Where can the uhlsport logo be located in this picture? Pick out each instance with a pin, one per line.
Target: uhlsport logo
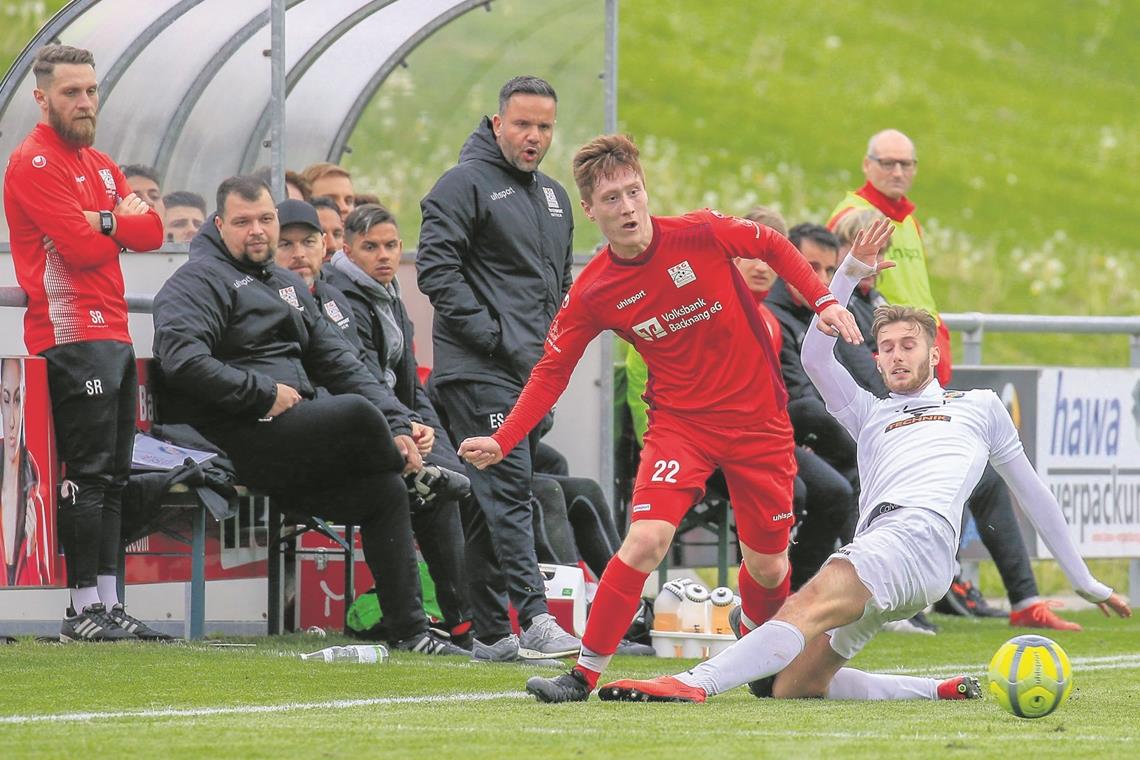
(499, 195)
(631, 300)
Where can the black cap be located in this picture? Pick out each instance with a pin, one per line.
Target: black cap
(293, 211)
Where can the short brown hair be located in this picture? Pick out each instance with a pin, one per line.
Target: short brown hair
(601, 158)
(49, 56)
(313, 172)
(769, 217)
(891, 313)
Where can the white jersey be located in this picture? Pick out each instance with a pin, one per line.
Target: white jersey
(928, 449)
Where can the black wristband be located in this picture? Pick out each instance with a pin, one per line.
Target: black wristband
(106, 222)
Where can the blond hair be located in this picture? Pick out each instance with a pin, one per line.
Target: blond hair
(891, 313)
(769, 217)
(313, 172)
(849, 224)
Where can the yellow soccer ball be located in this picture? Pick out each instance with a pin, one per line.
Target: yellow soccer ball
(1030, 676)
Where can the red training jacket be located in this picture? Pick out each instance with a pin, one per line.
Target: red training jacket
(75, 294)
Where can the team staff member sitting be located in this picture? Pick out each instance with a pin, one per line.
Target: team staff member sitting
(242, 348)
(365, 273)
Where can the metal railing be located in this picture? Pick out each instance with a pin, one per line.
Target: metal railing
(974, 325)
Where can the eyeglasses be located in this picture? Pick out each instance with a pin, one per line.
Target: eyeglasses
(890, 164)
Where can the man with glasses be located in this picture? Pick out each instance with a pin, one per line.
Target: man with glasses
(889, 166)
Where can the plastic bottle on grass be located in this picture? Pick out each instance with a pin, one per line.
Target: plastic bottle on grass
(722, 600)
(695, 609)
(666, 607)
(364, 653)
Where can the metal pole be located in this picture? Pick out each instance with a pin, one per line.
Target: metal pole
(610, 75)
(277, 97)
(606, 378)
(1134, 349)
(972, 345)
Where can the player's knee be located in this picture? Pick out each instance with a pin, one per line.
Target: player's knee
(769, 570)
(646, 544)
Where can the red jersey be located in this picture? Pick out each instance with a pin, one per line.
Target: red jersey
(75, 294)
(686, 309)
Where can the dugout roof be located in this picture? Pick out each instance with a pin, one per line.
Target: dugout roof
(173, 71)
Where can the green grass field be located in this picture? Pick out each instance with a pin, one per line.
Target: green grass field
(1030, 156)
(192, 701)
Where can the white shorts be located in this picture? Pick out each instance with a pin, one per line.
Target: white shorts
(905, 559)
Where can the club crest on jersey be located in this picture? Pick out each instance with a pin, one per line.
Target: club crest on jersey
(554, 333)
(108, 181)
(552, 202)
(334, 313)
(650, 330)
(682, 274)
(39, 162)
(289, 296)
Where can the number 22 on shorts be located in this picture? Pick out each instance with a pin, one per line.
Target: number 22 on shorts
(665, 471)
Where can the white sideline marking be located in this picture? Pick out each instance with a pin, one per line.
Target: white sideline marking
(1107, 662)
(1104, 662)
(195, 712)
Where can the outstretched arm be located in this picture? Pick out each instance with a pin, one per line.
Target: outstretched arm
(832, 380)
(1041, 507)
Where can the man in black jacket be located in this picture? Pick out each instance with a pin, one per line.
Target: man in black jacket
(364, 276)
(243, 349)
(495, 258)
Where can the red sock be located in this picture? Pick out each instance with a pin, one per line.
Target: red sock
(759, 603)
(615, 604)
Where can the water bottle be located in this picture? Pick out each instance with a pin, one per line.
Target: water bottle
(666, 607)
(366, 653)
(722, 600)
(695, 609)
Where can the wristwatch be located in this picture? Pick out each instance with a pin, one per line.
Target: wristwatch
(106, 222)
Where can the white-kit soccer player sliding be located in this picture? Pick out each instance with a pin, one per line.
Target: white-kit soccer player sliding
(921, 452)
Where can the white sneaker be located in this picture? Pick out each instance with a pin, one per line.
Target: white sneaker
(545, 638)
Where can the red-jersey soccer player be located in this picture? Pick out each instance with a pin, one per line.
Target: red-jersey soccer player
(668, 285)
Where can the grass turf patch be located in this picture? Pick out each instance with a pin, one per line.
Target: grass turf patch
(193, 700)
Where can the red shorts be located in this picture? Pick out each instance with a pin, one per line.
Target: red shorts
(759, 466)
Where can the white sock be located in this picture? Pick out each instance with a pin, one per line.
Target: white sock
(761, 653)
(850, 683)
(84, 597)
(593, 661)
(108, 590)
(1026, 602)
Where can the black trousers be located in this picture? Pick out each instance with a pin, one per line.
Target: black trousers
(439, 533)
(94, 396)
(830, 514)
(992, 508)
(498, 520)
(334, 457)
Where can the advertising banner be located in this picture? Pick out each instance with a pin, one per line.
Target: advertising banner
(1017, 389)
(1088, 452)
(28, 477)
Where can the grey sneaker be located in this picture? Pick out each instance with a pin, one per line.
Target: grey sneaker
(545, 638)
(505, 649)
